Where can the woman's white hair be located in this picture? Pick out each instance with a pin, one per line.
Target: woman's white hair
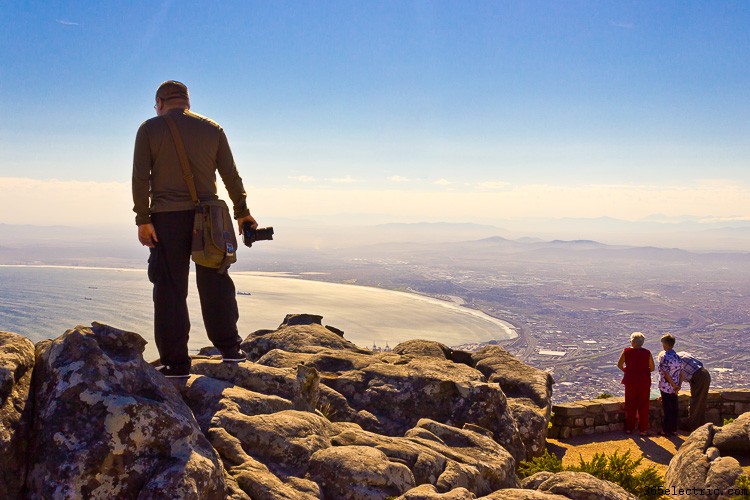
(637, 338)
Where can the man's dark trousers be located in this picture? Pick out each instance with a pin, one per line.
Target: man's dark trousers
(699, 383)
(168, 270)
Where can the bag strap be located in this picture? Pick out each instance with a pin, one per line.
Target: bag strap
(187, 174)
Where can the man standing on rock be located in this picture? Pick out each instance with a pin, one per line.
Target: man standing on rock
(696, 374)
(164, 215)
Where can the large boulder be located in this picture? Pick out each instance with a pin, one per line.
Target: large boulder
(578, 486)
(429, 492)
(250, 428)
(358, 473)
(698, 464)
(443, 456)
(427, 348)
(528, 388)
(522, 494)
(282, 382)
(253, 477)
(297, 333)
(286, 439)
(734, 437)
(16, 363)
(481, 465)
(108, 425)
(518, 380)
(206, 396)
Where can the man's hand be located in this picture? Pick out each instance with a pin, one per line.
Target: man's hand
(247, 218)
(147, 235)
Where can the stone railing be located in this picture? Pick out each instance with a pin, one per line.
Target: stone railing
(607, 415)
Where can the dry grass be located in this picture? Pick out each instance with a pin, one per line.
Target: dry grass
(655, 450)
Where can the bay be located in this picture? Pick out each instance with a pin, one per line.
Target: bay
(42, 302)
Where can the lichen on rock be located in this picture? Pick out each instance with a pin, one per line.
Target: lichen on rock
(16, 364)
(108, 425)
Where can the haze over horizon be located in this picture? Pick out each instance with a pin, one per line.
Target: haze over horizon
(362, 113)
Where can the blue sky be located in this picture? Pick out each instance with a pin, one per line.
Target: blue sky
(444, 109)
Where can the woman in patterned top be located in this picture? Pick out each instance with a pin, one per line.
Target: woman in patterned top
(669, 380)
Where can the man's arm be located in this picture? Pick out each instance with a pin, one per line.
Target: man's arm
(232, 180)
(673, 365)
(141, 182)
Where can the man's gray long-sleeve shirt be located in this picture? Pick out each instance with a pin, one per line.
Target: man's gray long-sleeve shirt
(158, 183)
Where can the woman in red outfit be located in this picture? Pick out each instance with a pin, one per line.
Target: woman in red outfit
(637, 364)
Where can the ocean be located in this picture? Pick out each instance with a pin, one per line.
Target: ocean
(42, 302)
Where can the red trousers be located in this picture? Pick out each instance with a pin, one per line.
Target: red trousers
(637, 403)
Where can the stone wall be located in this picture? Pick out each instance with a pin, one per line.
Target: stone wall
(606, 415)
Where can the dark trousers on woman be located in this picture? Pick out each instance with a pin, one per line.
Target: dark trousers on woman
(168, 270)
(670, 409)
(637, 403)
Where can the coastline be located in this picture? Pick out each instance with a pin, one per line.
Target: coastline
(506, 326)
(311, 295)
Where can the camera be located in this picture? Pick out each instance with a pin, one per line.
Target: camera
(250, 236)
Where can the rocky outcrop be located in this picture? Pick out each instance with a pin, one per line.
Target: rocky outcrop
(107, 425)
(308, 416)
(288, 447)
(388, 393)
(698, 464)
(16, 363)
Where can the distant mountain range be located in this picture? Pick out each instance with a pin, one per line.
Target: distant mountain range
(659, 238)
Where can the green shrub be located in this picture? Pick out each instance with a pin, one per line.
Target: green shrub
(728, 421)
(620, 469)
(742, 483)
(604, 395)
(546, 462)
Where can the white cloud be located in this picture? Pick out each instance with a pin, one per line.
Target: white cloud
(398, 179)
(443, 182)
(623, 25)
(301, 178)
(51, 202)
(492, 185)
(56, 202)
(65, 22)
(628, 202)
(343, 180)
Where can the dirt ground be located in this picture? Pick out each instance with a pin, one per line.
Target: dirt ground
(655, 450)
